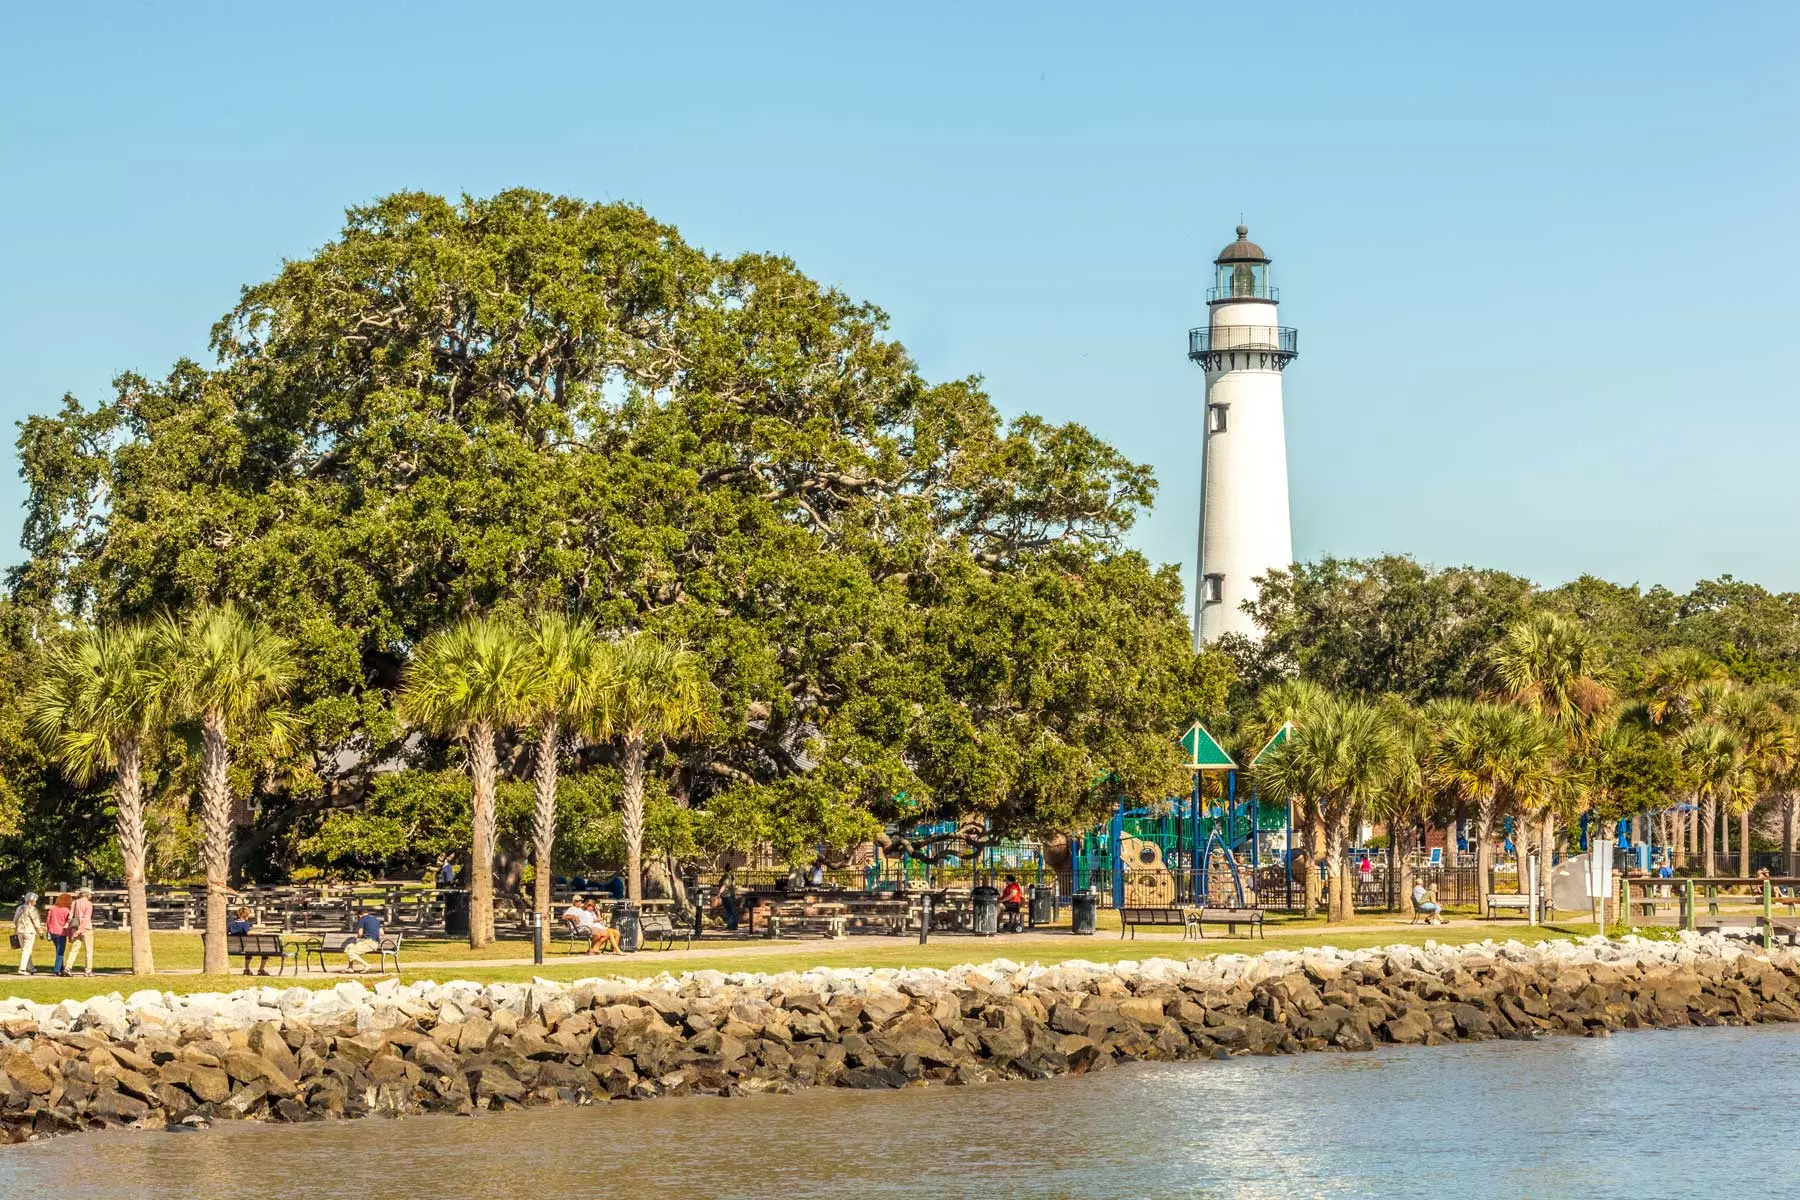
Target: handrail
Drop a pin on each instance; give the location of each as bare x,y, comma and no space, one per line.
1210,339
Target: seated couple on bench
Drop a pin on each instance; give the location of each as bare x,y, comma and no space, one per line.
1424,906
584,919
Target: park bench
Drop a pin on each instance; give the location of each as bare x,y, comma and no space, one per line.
666,930
575,937
1131,916
1232,917
1507,900
334,943
263,945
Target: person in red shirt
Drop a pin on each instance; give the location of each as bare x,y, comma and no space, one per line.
56,924
1012,901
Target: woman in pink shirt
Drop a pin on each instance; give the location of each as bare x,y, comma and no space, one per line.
81,930
56,924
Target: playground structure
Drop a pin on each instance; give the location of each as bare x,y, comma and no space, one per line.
1189,849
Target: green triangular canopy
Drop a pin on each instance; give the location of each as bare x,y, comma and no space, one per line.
1281,735
1204,752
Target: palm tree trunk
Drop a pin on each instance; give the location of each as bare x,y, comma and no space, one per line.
1337,835
215,847
1393,867
1321,876
1547,842
544,819
1484,847
1404,866
1744,843
128,797
481,865
631,810
1790,810
1710,864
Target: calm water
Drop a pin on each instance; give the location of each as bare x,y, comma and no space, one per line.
1547,1118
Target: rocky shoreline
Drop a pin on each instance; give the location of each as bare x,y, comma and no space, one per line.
155,1060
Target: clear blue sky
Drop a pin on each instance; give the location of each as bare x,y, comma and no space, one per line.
1542,256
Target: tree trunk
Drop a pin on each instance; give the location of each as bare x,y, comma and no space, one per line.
215,833
1402,864
1337,834
1393,867
631,809
482,768
1744,843
1484,848
128,797
1790,810
1547,841
1710,864
543,819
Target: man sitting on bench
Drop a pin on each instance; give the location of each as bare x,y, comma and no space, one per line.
1425,906
238,926
1012,904
368,938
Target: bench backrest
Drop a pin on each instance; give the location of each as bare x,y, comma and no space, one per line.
1151,916
1231,914
335,942
238,944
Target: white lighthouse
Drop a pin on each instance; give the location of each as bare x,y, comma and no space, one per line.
1244,530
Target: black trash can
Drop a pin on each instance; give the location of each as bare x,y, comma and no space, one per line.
1081,912
631,931
456,914
984,921
1043,905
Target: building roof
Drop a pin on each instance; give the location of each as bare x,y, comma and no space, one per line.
1242,250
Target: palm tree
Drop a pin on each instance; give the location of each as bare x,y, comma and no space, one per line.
1343,757
1407,800
230,673
653,691
1548,664
568,674
1488,753
1712,769
1680,685
1287,702
472,681
100,699
1763,729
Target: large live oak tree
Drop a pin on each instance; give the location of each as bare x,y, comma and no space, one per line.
909,608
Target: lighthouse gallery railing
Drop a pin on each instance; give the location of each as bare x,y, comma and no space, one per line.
1209,339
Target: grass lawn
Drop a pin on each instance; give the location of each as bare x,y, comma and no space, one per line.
439,959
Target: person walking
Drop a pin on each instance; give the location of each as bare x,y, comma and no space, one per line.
56,924
81,930
27,925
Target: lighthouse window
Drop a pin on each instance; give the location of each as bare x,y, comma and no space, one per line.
1215,417
1213,591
